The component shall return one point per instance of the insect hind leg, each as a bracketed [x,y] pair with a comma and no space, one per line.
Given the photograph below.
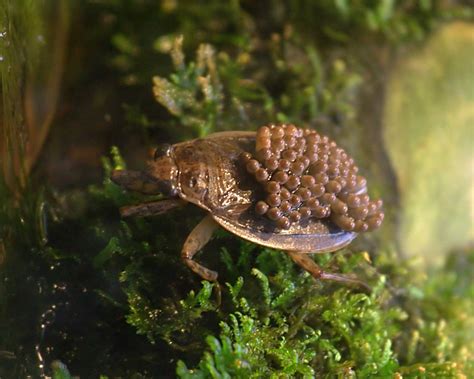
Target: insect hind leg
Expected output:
[304,260]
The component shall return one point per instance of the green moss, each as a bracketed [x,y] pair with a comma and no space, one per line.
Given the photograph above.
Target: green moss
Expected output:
[341,334]
[212,93]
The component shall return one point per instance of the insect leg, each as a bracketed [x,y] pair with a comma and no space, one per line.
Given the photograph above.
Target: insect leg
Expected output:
[305,261]
[151,209]
[200,235]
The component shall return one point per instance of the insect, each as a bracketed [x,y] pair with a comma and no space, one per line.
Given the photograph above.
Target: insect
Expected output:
[282,187]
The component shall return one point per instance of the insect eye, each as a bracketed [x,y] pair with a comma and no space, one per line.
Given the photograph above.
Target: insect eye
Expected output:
[161,151]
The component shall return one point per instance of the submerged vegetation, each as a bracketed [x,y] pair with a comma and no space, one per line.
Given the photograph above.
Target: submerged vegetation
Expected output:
[85,293]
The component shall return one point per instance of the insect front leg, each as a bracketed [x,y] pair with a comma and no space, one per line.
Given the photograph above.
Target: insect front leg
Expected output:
[304,260]
[200,236]
[151,209]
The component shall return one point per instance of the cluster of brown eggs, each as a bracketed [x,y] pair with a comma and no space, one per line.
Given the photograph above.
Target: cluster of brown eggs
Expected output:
[305,175]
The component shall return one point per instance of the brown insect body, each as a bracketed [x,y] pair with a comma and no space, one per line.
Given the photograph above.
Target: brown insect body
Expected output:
[211,176]
[211,173]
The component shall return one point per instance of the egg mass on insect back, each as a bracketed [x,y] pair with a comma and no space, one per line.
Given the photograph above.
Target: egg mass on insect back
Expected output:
[305,175]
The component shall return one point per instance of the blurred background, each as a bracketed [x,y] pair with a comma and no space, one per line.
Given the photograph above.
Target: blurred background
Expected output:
[87,86]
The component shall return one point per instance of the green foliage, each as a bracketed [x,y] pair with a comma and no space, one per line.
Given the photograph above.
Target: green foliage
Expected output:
[253,63]
[172,318]
[341,333]
[398,21]
[111,297]
[274,320]
[194,95]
